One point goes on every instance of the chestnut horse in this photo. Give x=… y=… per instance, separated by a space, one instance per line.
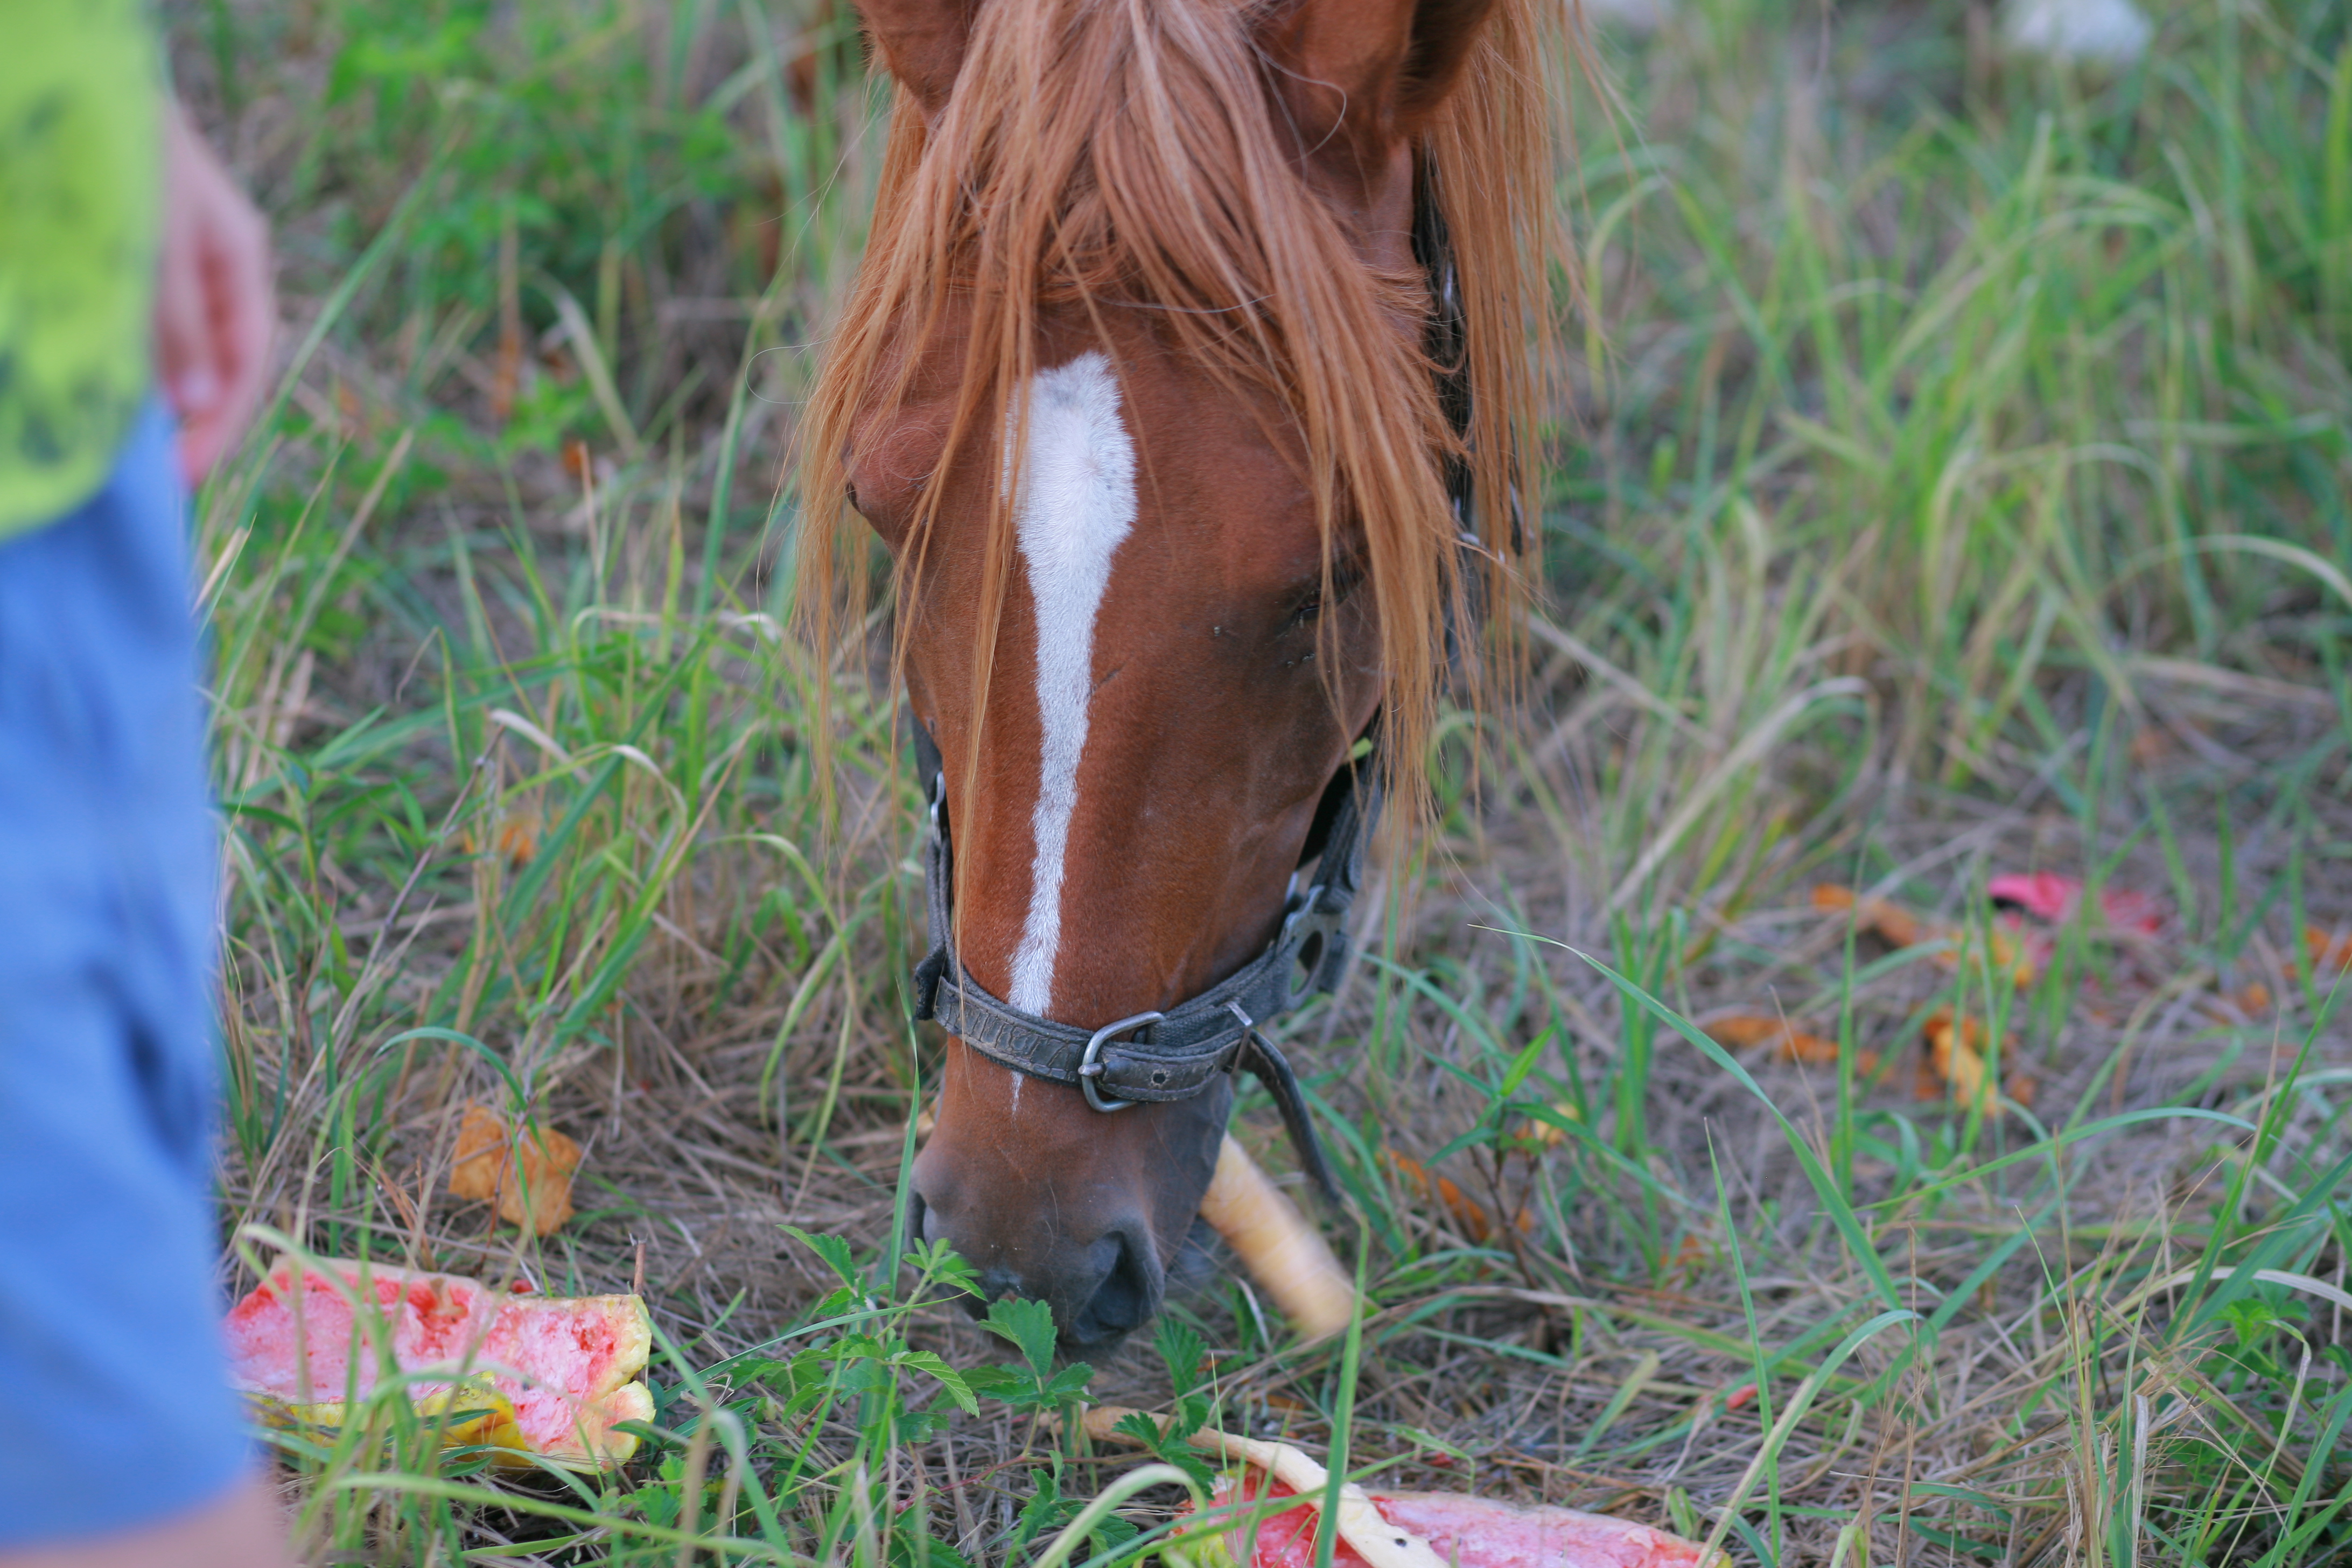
x=1187 y=331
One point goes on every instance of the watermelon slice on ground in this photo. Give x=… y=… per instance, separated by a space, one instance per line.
x=1464 y=1531
x=549 y=1376
x=1244 y=1525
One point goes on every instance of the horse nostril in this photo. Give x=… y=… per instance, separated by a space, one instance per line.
x=993 y=1283
x=924 y=1224
x=1128 y=1295
x=923 y=1221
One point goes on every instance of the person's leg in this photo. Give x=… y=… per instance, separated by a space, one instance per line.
x=114 y=1414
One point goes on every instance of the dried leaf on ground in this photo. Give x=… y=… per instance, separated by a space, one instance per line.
x=1898 y=926
x=1478 y=1225
x=516 y=837
x=2252 y=1000
x=2330 y=952
x=2151 y=746
x=1546 y=1135
x=537 y=1196
x=1746 y=1031
x=1958 y=1052
x=519 y=836
x=2018 y=953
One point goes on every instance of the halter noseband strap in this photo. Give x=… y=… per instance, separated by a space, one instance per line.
x=1176 y=1054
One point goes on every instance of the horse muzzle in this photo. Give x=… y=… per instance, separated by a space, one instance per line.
x=1103 y=1278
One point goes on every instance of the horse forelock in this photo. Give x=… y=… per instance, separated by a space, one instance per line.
x=1127 y=158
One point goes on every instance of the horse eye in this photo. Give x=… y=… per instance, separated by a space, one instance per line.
x=849 y=494
x=1345 y=579
x=1308 y=608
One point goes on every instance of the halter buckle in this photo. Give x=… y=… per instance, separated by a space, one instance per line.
x=1090 y=1066
x=1311 y=935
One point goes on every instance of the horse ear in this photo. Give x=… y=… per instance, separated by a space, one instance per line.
x=1442 y=32
x=1360 y=78
x=923 y=44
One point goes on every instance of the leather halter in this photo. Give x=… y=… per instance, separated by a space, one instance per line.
x=1178 y=1053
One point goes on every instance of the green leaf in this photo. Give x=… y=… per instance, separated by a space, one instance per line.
x=2249 y=1318
x=913 y=1549
x=950 y=1379
x=1029 y=1325
x=1114 y=1532
x=1069 y=1383
x=762 y=1369
x=1170 y=1446
x=1181 y=1351
x=1044 y=1511
x=938 y=1263
x=1522 y=1064
x=917 y=1426
x=997 y=1382
x=1141 y=1427
x=833 y=1250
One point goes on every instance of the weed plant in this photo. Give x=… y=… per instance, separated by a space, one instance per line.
x=1956 y=480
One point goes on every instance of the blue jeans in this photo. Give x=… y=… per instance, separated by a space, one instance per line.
x=113 y=1408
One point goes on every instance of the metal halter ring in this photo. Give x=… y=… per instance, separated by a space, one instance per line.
x=1090 y=1067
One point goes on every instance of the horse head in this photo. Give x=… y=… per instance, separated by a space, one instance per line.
x=1137 y=388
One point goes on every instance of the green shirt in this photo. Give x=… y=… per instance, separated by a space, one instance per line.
x=80 y=139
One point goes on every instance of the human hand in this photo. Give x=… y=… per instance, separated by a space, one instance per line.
x=243 y=1529
x=214 y=306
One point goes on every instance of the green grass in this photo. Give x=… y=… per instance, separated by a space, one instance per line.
x=1958 y=482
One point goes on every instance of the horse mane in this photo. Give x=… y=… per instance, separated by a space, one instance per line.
x=1117 y=154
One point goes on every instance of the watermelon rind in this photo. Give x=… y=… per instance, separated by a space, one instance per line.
x=636 y=1344
x=1198 y=1545
x=472 y=1407
x=1201 y=1549
x=593 y=1444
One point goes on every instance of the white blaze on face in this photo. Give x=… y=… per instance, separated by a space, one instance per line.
x=1077 y=503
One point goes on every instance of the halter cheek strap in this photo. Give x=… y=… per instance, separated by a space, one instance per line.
x=1178 y=1053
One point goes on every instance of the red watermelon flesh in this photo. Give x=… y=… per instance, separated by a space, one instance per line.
x=570 y=1354
x=437 y=1320
x=1487 y=1534
x=558 y=1369
x=1469 y=1532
